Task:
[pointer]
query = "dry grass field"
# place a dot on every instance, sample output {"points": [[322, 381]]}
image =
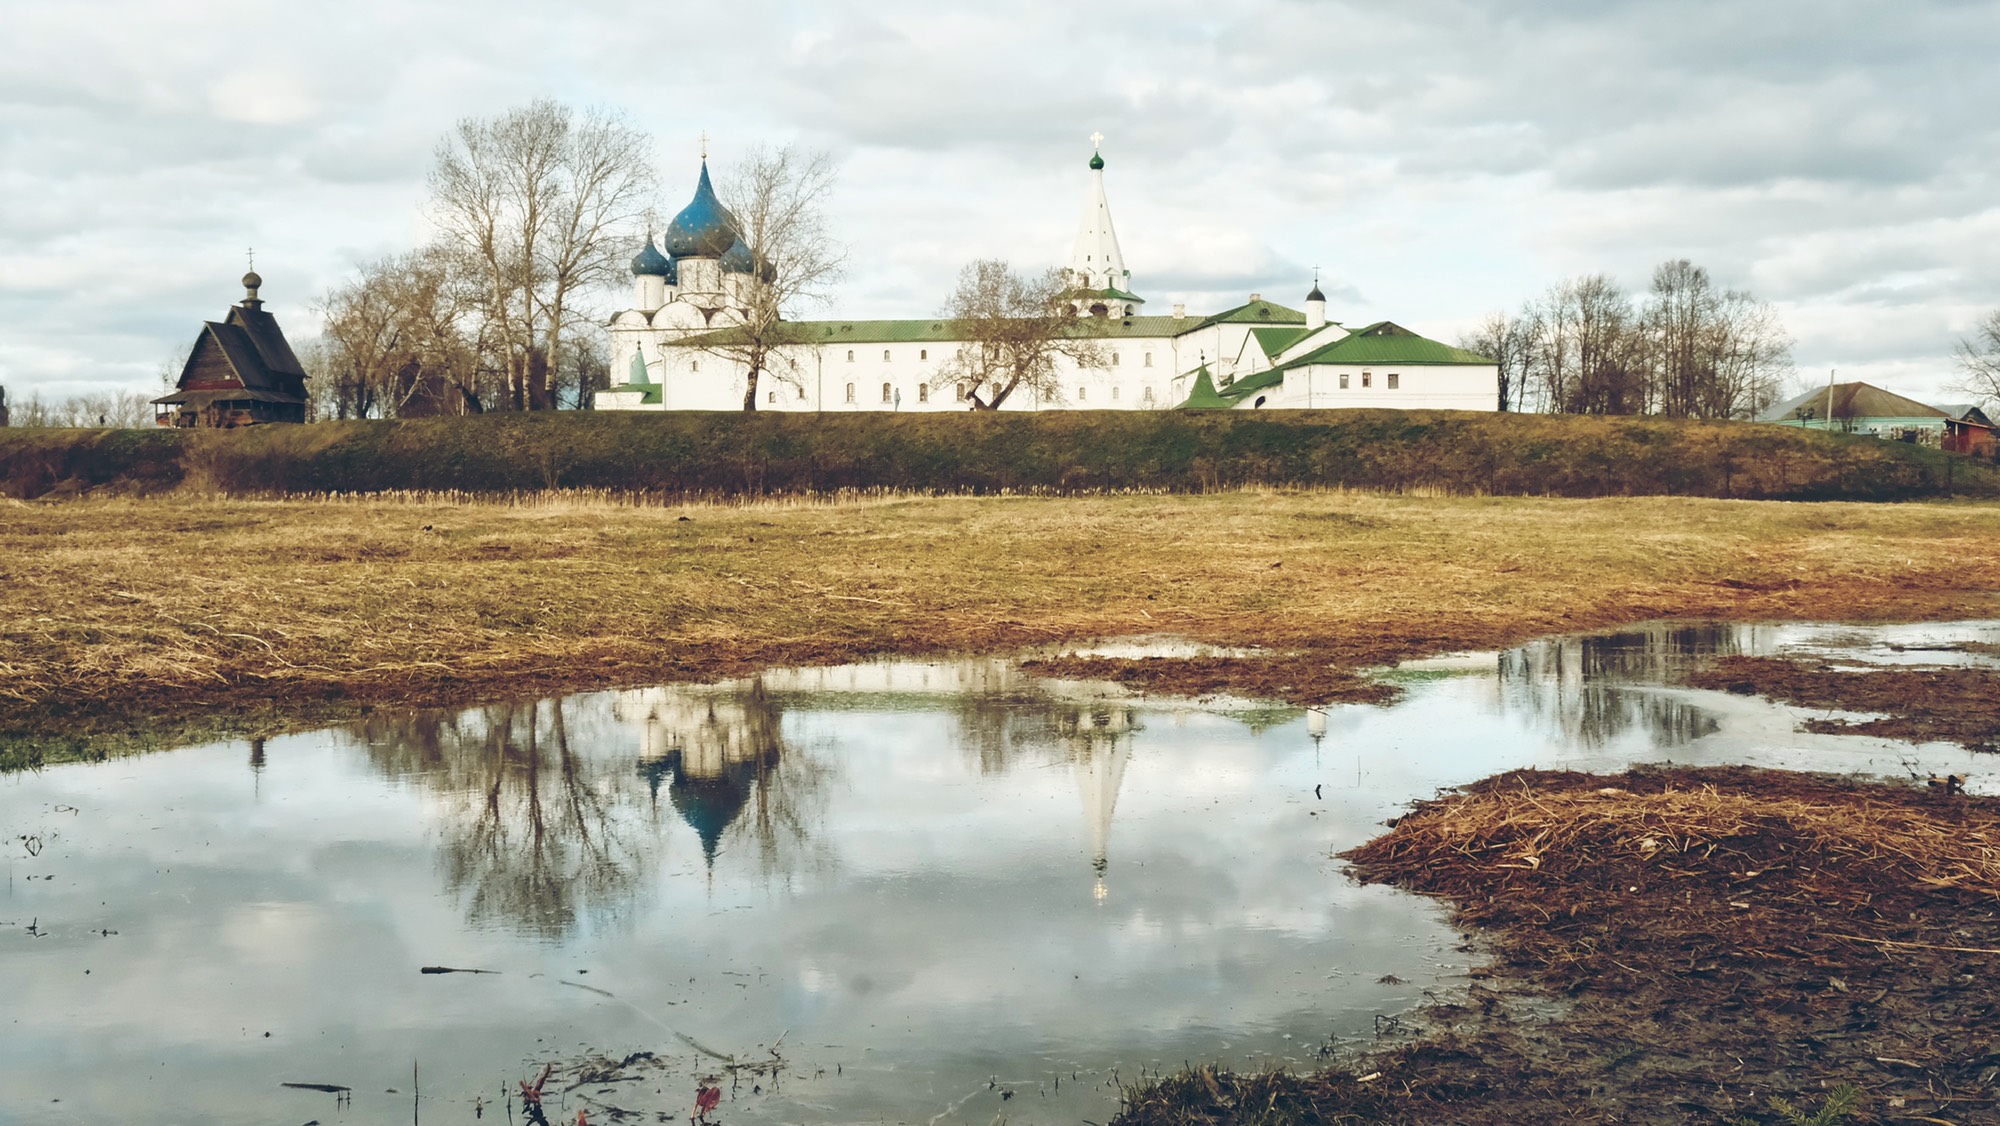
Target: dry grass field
{"points": [[265, 614]]}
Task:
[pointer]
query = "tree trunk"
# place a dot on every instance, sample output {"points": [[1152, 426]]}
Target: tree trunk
{"points": [[538, 380], [750, 389]]}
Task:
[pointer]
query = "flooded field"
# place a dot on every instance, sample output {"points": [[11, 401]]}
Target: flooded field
{"points": [[916, 893]]}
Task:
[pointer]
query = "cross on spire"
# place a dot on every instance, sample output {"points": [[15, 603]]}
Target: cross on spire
{"points": [[704, 144], [252, 252], [1097, 140]]}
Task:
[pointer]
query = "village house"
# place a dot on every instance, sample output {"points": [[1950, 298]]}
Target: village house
{"points": [[240, 372], [1862, 408]]}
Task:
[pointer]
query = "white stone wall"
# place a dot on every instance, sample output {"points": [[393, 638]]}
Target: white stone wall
{"points": [[1451, 387]]}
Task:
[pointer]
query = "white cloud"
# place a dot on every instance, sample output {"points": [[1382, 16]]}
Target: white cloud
{"points": [[1440, 159]]}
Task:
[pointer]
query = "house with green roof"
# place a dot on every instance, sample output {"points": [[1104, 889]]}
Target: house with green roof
{"points": [[691, 291]]}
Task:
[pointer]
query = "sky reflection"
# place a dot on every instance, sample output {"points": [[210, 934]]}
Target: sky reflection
{"points": [[925, 878]]}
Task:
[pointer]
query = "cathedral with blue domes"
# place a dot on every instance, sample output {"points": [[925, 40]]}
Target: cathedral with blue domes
{"points": [[694, 284]]}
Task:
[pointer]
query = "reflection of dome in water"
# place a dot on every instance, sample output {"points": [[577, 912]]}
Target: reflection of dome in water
{"points": [[709, 804]]}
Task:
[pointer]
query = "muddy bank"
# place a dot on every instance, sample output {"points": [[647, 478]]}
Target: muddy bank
{"points": [[1958, 705], [1305, 679], [1717, 942]]}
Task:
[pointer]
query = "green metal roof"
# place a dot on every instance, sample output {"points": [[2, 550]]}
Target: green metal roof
{"points": [[649, 392], [1249, 384], [1258, 313], [1276, 340], [1386, 342], [1204, 396], [1107, 294]]}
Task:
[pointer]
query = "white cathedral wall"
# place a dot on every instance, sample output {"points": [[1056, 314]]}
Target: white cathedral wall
{"points": [[1443, 387]]}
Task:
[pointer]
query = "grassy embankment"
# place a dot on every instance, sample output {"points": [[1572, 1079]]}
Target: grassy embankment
{"points": [[175, 616], [1059, 452]]}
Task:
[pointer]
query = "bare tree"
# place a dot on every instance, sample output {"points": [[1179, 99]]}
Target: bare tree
{"points": [[1583, 356], [1017, 330], [403, 339], [1979, 360], [776, 199], [1711, 353], [1507, 341], [537, 202]]}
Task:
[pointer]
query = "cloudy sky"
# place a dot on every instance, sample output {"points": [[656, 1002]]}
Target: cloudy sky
{"points": [[1439, 159]]}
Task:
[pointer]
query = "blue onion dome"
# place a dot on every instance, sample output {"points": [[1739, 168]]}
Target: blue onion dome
{"points": [[738, 259], [650, 262], [703, 228]]}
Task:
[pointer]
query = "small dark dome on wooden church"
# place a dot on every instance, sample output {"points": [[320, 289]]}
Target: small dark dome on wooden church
{"points": [[240, 372]]}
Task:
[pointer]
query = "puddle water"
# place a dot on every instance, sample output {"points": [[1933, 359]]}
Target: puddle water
{"points": [[945, 892]]}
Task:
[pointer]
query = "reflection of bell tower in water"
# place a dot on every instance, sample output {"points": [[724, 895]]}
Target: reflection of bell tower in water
{"points": [[1099, 745]]}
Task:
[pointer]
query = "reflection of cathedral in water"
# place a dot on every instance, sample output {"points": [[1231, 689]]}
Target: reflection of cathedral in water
{"points": [[711, 750]]}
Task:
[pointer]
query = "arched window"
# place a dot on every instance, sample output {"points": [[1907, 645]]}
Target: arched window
{"points": [[1367, 379], [1149, 359], [850, 392], [885, 355], [1082, 393], [802, 395], [1114, 394], [850, 355], [1147, 397], [694, 365], [923, 353], [888, 391], [1114, 359], [923, 392], [963, 391], [770, 396]]}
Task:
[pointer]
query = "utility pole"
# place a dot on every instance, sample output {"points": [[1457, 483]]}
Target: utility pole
{"points": [[1830, 372]]}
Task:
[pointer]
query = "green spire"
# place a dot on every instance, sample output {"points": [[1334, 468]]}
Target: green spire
{"points": [[1204, 396], [639, 367]]}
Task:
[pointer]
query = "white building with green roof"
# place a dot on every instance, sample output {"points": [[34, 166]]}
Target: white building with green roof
{"points": [[1259, 354]]}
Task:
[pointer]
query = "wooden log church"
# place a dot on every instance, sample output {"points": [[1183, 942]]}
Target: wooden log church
{"points": [[239, 373]]}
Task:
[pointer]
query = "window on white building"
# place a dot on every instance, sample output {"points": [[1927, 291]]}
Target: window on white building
{"points": [[1343, 381], [923, 392], [963, 390], [923, 353], [770, 396], [1394, 381], [850, 355], [888, 390], [1366, 379], [802, 395], [1149, 359], [1114, 394], [694, 365], [1147, 397], [1114, 359], [850, 392], [885, 355], [1082, 393]]}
